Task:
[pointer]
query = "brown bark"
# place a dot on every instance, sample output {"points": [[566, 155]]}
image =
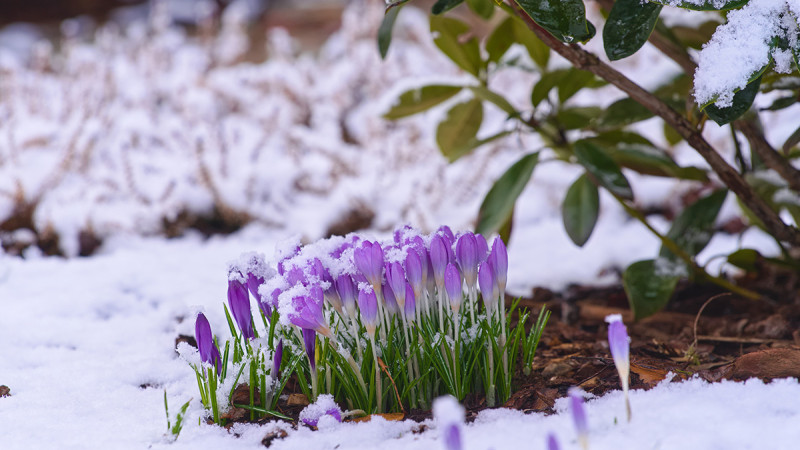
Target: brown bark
{"points": [[769, 155]]}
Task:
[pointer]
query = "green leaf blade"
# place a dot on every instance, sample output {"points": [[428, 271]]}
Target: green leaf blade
{"points": [[421, 99], [447, 36], [564, 19], [628, 27], [456, 134], [693, 228], [649, 284], [708, 5], [742, 101], [498, 205], [605, 171], [580, 209], [385, 30]]}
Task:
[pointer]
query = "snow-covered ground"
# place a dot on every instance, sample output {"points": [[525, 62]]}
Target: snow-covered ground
{"points": [[87, 344]]}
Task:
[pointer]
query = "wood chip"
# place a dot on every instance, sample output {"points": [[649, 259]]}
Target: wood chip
{"points": [[388, 416]]}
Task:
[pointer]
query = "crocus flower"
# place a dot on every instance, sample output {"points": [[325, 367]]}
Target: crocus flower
{"points": [[449, 416], [209, 353], [452, 285], [324, 406], [579, 416], [488, 286], [482, 247], [409, 308], [347, 293], [439, 259], [295, 275], [552, 443], [445, 231], [368, 259], [368, 305], [308, 311], [499, 259], [253, 283], [414, 271], [276, 360], [619, 344], [310, 342], [396, 278], [239, 303], [467, 257], [390, 299]]}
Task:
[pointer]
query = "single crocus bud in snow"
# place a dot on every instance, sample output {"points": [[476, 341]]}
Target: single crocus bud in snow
{"points": [[368, 259], [619, 344], [368, 305], [579, 416], [316, 412], [310, 342], [276, 360], [499, 259], [452, 285], [409, 308], [396, 278], [449, 417], [552, 443], [239, 303], [488, 287], [467, 257], [439, 259], [209, 353]]}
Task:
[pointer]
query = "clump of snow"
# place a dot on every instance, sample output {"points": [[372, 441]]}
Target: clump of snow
{"points": [[738, 50], [324, 407]]}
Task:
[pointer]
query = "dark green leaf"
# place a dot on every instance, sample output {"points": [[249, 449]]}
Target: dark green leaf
{"points": [[456, 133], [385, 30], [545, 85], [695, 37], [791, 141], [442, 6], [742, 101], [538, 50], [694, 227], [483, 8], [498, 100], [708, 5], [628, 27], [564, 19], [500, 40], [621, 113], [572, 82], [649, 285], [580, 209], [421, 99], [447, 32], [647, 159], [577, 117], [672, 137], [605, 171], [781, 103], [745, 259], [498, 205]]}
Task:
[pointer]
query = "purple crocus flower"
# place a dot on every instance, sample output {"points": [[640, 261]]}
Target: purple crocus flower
{"points": [[488, 286], [619, 345], [449, 416], [295, 275], [390, 299], [324, 406], [409, 308], [308, 311], [368, 259], [253, 283], [452, 285], [499, 259], [552, 443], [579, 416], [482, 246], [239, 303], [414, 271], [276, 360], [209, 353], [396, 278], [447, 232], [401, 234], [451, 437], [310, 342], [467, 257], [368, 305], [347, 293], [439, 258]]}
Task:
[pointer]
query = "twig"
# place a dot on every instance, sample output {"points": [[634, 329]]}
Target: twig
{"points": [[702, 308], [769, 155]]}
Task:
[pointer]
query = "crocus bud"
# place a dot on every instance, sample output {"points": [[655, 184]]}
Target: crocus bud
{"points": [[276, 360], [467, 257], [552, 443], [390, 299], [209, 353], [414, 271], [409, 308], [445, 231], [452, 285], [347, 293], [396, 278], [368, 259], [253, 283], [482, 247], [579, 416], [619, 345], [368, 305], [439, 259], [310, 342], [239, 303], [488, 286], [308, 311], [499, 259], [324, 406], [449, 417]]}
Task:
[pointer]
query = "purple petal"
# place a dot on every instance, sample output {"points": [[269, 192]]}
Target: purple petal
{"points": [[499, 260], [410, 305], [310, 342], [487, 286], [239, 304], [452, 437], [439, 258], [452, 285], [209, 353], [276, 360], [482, 247], [552, 443], [368, 305], [578, 411], [396, 277], [467, 257]]}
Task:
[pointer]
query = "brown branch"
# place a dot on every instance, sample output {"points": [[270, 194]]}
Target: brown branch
{"points": [[584, 60], [769, 155]]}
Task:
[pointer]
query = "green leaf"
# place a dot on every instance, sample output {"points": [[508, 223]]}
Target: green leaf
{"points": [[498, 100], [500, 40], [421, 99], [792, 140], [447, 33], [459, 129], [538, 50], [745, 259], [628, 27], [650, 160], [483, 8], [545, 85], [694, 227], [605, 171], [671, 136], [578, 117], [781, 103], [708, 5], [572, 82], [580, 209], [442, 6], [649, 284], [564, 19], [498, 205], [742, 101], [696, 36], [621, 113], [385, 30]]}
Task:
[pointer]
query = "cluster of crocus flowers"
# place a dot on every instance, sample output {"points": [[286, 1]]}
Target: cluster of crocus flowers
{"points": [[619, 345]]}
